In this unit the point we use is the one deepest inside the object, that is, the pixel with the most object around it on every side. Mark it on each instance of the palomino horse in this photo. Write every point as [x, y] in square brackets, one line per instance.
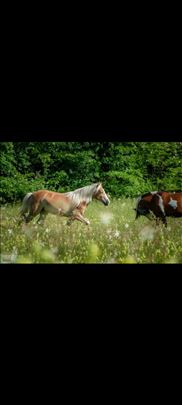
[161, 204]
[71, 204]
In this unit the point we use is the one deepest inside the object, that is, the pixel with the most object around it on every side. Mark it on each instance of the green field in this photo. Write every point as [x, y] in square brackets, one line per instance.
[112, 237]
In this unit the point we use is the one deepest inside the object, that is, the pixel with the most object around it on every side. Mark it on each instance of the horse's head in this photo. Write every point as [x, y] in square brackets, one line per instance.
[142, 209]
[137, 213]
[100, 195]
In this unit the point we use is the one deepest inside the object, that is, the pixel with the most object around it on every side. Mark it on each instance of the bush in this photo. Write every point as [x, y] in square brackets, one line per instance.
[129, 184]
[57, 181]
[16, 187]
[125, 168]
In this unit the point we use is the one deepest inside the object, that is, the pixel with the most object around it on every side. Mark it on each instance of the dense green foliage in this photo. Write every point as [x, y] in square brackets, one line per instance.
[125, 168]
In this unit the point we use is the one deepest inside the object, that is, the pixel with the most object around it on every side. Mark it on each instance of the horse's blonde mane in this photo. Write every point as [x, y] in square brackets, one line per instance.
[82, 194]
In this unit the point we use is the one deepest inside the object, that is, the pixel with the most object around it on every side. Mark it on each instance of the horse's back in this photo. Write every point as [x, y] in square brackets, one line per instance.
[172, 203]
[46, 199]
[161, 203]
[41, 194]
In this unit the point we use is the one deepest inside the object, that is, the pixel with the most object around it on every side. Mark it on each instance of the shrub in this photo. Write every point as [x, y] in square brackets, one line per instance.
[14, 188]
[129, 183]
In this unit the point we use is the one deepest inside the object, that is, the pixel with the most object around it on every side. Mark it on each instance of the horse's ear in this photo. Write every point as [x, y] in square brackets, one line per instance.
[99, 185]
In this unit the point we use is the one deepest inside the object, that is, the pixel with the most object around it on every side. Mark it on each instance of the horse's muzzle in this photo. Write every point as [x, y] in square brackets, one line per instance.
[140, 212]
[106, 202]
[137, 213]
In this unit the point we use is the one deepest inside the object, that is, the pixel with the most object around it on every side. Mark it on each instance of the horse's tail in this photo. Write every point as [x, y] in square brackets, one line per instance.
[26, 204]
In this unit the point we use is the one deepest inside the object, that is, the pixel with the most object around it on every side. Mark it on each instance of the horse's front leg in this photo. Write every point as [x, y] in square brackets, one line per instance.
[163, 219]
[78, 217]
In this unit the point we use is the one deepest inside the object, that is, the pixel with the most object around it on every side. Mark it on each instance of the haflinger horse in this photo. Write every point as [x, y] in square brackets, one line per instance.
[160, 204]
[71, 204]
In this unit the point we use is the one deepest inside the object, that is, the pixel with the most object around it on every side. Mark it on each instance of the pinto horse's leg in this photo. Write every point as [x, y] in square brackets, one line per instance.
[163, 219]
[157, 221]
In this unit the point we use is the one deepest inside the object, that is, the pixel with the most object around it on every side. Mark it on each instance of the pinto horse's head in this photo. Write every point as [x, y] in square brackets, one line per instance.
[142, 208]
[100, 195]
[141, 212]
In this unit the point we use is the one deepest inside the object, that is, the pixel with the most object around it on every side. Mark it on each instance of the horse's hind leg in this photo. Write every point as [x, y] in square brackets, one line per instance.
[35, 209]
[21, 219]
[42, 216]
[25, 218]
[21, 214]
[29, 218]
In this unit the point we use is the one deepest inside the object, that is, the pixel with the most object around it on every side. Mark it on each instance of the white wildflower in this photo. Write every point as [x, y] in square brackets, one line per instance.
[10, 231]
[106, 218]
[27, 230]
[55, 250]
[147, 233]
[111, 260]
[117, 234]
[14, 255]
[126, 226]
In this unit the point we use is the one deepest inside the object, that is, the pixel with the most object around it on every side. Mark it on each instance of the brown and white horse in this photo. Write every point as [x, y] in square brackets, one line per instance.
[161, 204]
[71, 204]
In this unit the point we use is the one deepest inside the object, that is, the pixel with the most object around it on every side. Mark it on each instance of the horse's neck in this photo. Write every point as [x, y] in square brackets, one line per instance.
[78, 199]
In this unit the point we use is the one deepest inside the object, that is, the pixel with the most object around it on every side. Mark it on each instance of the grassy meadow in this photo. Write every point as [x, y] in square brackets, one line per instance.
[112, 237]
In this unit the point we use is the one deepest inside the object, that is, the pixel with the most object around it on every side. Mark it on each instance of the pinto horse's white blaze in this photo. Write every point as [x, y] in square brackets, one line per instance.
[173, 203]
[71, 204]
[161, 204]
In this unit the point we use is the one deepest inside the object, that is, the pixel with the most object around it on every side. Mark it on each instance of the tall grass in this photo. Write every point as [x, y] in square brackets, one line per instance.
[112, 237]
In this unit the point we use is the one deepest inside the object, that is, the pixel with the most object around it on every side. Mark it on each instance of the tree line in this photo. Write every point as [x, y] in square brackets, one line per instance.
[125, 168]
